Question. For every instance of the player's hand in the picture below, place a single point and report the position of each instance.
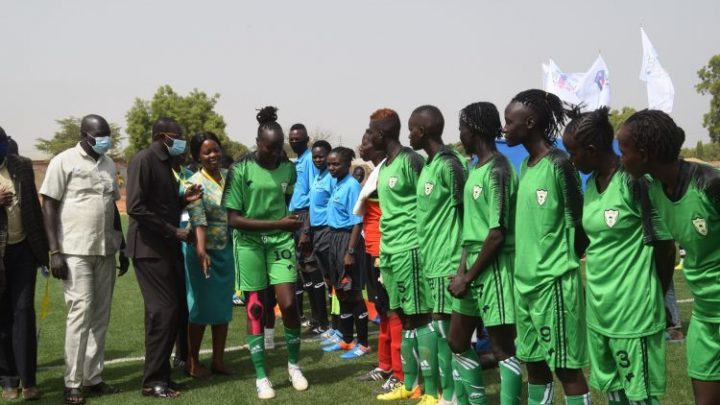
(193, 192)
(290, 223)
(348, 261)
(458, 286)
(182, 234)
(305, 244)
(124, 264)
(205, 262)
(58, 266)
(6, 198)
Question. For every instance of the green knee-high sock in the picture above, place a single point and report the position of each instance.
(583, 399)
(541, 394)
(510, 381)
(292, 339)
(334, 305)
(428, 353)
(461, 397)
(408, 353)
(617, 398)
(444, 359)
(468, 366)
(256, 344)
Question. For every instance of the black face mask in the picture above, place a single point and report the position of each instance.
(298, 147)
(3, 150)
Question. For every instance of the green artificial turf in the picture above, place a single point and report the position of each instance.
(332, 380)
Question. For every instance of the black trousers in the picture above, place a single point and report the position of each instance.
(162, 285)
(181, 342)
(18, 333)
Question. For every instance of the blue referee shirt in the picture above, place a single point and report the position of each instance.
(320, 191)
(342, 201)
(306, 172)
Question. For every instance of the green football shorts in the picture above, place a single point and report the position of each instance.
(491, 296)
(407, 288)
(550, 324)
(635, 365)
(442, 299)
(264, 260)
(703, 350)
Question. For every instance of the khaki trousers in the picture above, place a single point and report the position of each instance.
(88, 296)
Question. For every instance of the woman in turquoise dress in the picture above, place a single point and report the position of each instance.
(209, 264)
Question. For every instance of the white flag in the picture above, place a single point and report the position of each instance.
(595, 89)
(591, 88)
(660, 90)
(563, 85)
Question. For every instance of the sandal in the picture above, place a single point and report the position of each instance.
(31, 394)
(100, 389)
(160, 391)
(224, 370)
(74, 396)
(10, 393)
(199, 374)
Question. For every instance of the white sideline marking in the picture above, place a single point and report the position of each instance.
(203, 351)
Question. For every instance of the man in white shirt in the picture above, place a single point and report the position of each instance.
(83, 229)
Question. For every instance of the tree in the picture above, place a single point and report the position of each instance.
(699, 150)
(69, 135)
(195, 113)
(618, 117)
(460, 148)
(710, 84)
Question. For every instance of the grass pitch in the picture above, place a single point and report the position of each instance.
(332, 380)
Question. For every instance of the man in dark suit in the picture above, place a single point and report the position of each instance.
(23, 246)
(154, 207)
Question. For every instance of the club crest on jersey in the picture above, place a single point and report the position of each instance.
(611, 217)
(392, 181)
(477, 190)
(429, 188)
(284, 186)
(700, 226)
(541, 196)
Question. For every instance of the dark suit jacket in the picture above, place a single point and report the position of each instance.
(21, 171)
(153, 204)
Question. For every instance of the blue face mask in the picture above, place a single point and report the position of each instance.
(102, 144)
(177, 147)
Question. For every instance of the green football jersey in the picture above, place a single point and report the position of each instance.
(693, 220)
(490, 193)
(549, 209)
(624, 296)
(397, 182)
(258, 193)
(439, 212)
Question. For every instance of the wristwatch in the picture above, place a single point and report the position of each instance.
(351, 250)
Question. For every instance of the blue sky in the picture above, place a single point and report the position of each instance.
(329, 64)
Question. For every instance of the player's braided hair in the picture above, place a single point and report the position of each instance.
(657, 133)
(346, 154)
(548, 109)
(591, 128)
(483, 119)
(267, 118)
